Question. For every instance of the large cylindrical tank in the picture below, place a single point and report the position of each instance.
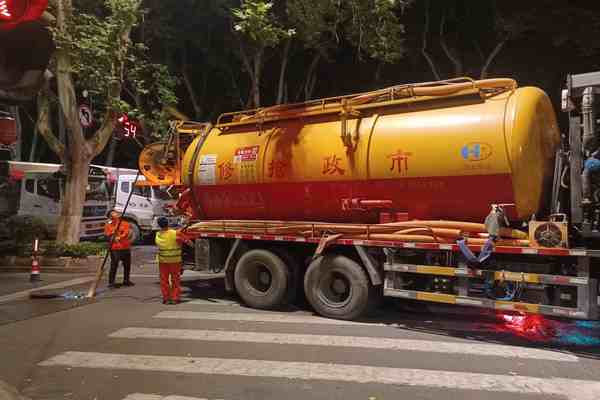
(449, 158)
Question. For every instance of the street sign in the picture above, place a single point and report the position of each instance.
(85, 116)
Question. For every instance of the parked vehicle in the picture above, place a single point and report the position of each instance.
(147, 203)
(36, 189)
(386, 194)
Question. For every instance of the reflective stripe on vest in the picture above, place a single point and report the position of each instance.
(169, 250)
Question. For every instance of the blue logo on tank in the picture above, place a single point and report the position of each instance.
(476, 151)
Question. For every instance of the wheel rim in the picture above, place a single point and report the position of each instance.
(260, 278)
(334, 290)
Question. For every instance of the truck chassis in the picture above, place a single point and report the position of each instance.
(561, 280)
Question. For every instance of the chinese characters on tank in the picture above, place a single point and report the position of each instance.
(399, 161)
(332, 166)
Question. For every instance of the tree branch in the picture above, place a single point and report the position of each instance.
(282, 71)
(424, 44)
(491, 57)
(43, 123)
(454, 59)
(100, 139)
(188, 83)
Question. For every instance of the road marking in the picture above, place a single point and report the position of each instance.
(60, 285)
(143, 396)
(570, 388)
(257, 317)
(214, 302)
(346, 341)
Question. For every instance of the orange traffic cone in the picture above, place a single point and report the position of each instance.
(35, 270)
(35, 265)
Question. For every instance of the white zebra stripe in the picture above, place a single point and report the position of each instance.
(144, 396)
(213, 302)
(569, 388)
(257, 317)
(347, 341)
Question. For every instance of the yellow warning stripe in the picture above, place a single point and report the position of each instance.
(452, 299)
(437, 297)
(510, 305)
(516, 277)
(434, 270)
(451, 271)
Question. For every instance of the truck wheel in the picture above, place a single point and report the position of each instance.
(261, 279)
(135, 234)
(337, 287)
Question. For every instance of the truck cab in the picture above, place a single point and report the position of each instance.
(146, 205)
(36, 189)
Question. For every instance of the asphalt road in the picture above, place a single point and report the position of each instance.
(126, 345)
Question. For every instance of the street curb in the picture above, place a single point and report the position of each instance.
(52, 270)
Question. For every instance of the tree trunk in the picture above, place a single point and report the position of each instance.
(454, 58)
(73, 197)
(284, 62)
(189, 86)
(191, 92)
(256, 79)
(424, 52)
(110, 157)
(310, 79)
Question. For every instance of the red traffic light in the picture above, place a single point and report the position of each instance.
(128, 128)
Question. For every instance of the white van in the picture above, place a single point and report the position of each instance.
(35, 189)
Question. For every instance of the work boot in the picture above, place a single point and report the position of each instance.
(165, 301)
(172, 302)
(128, 283)
(112, 286)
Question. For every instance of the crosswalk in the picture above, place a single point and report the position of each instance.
(267, 328)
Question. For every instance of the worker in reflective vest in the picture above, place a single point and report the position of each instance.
(120, 247)
(169, 260)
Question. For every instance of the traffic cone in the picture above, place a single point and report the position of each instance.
(35, 265)
(35, 270)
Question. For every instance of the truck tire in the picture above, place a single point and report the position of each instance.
(262, 279)
(337, 287)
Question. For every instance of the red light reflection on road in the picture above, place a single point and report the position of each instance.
(530, 326)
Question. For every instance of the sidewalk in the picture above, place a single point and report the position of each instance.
(142, 256)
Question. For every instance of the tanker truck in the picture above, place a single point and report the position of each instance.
(460, 192)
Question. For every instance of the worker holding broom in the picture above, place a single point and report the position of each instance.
(170, 260)
(117, 231)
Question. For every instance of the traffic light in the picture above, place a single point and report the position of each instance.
(127, 128)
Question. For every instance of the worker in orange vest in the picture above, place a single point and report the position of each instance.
(120, 248)
(170, 260)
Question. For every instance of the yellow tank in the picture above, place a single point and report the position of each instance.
(441, 151)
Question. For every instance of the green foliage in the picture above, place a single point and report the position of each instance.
(316, 22)
(102, 55)
(256, 21)
(79, 250)
(376, 29)
(371, 26)
(24, 229)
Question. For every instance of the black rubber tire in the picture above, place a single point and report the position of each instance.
(321, 271)
(257, 294)
(135, 234)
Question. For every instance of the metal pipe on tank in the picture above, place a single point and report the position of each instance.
(590, 142)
